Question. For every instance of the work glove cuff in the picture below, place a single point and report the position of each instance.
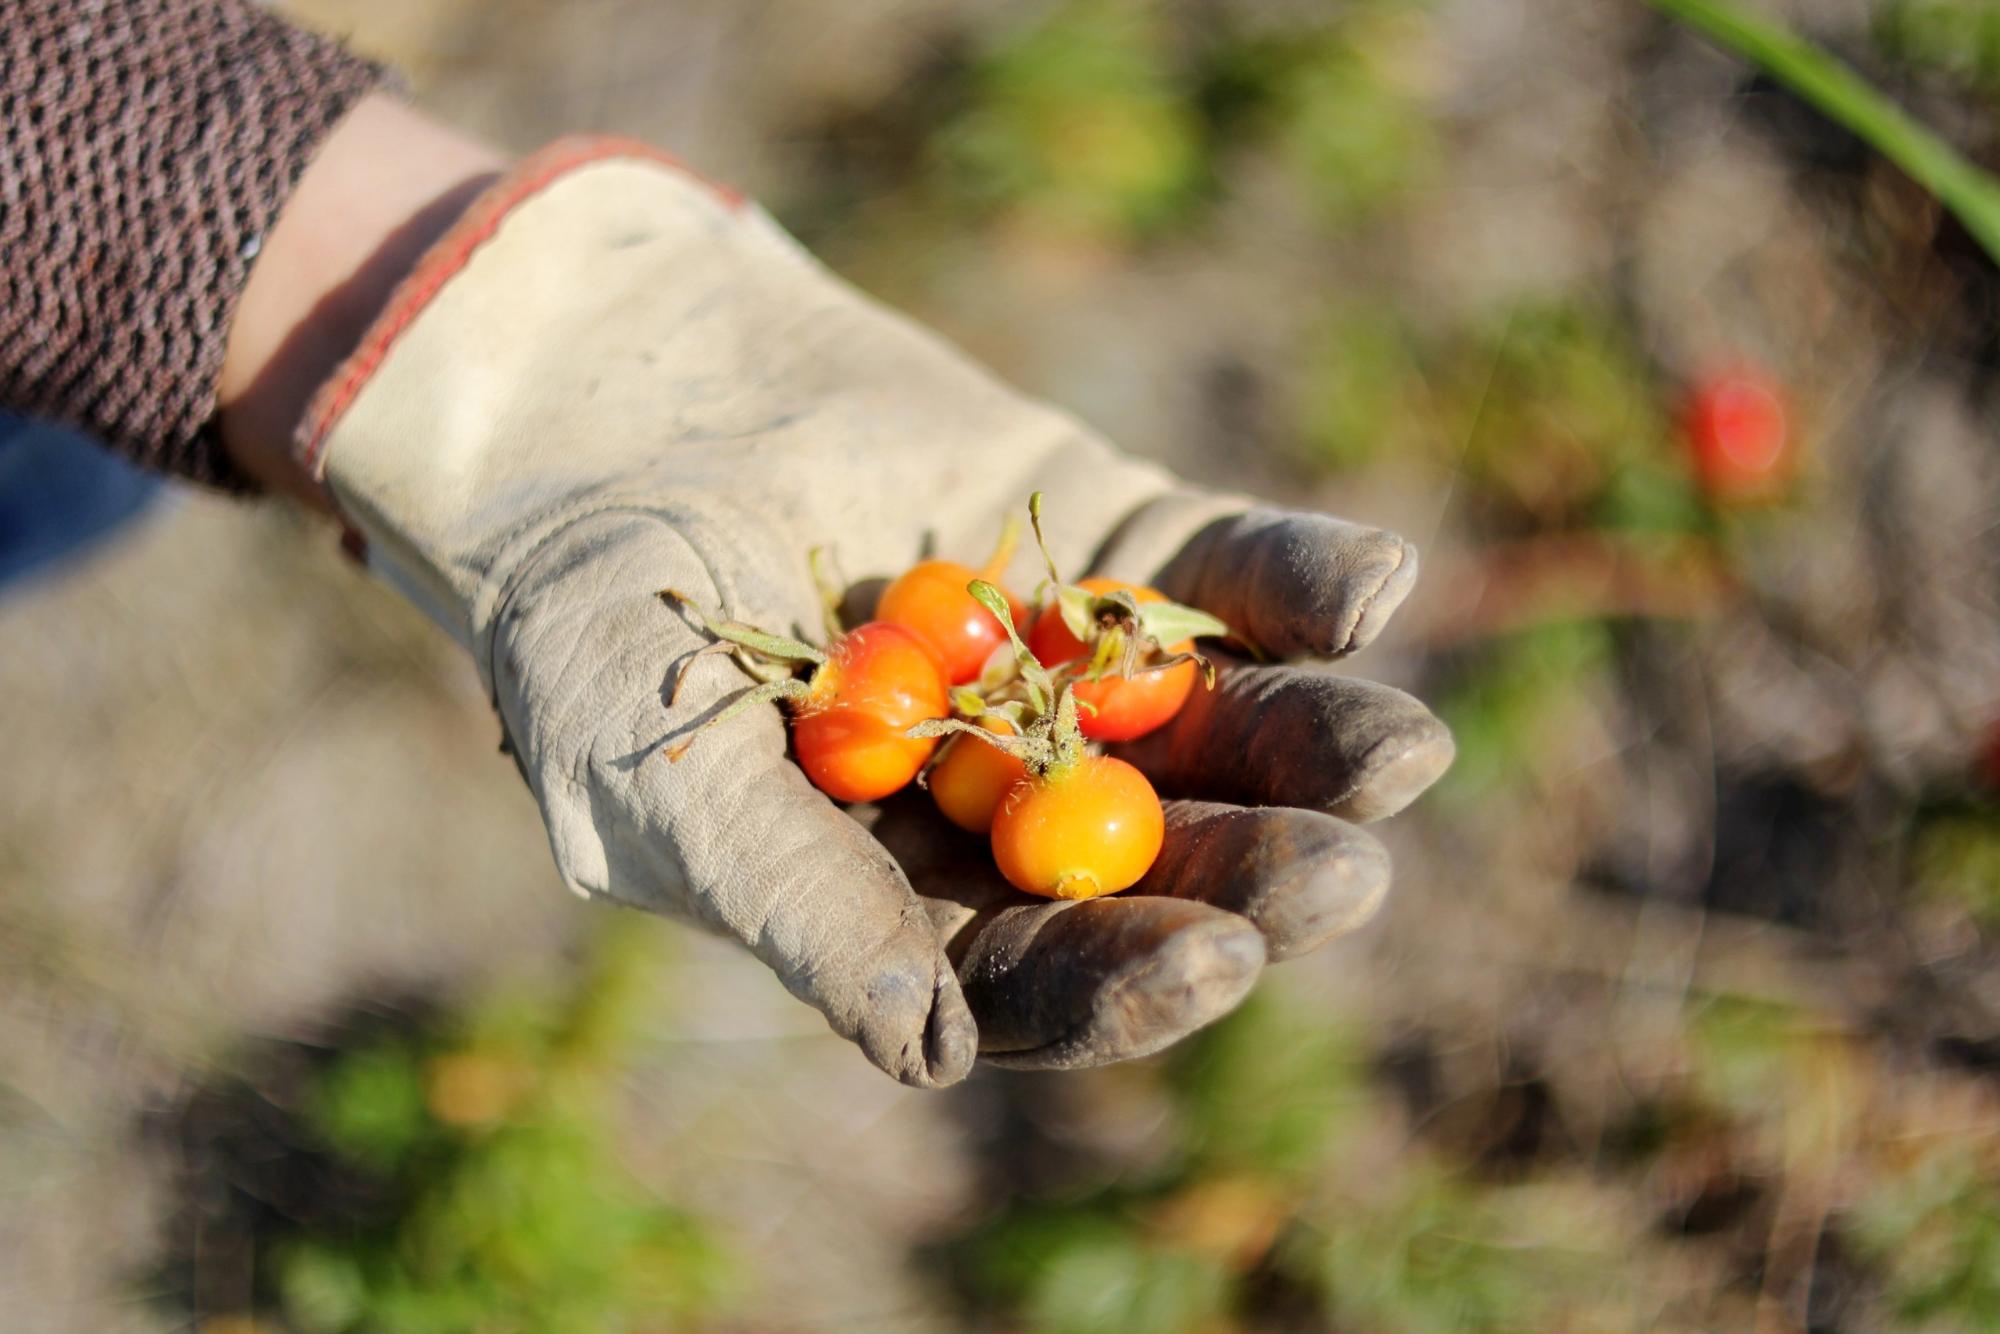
(442, 438)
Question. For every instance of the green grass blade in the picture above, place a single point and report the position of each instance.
(1844, 96)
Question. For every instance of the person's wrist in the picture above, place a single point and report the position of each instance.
(386, 184)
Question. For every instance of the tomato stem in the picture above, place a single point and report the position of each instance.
(1118, 627)
(831, 586)
(769, 692)
(1032, 672)
(1843, 96)
(1035, 518)
(687, 667)
(1050, 743)
(1029, 749)
(1112, 645)
(1176, 659)
(996, 565)
(1066, 748)
(743, 635)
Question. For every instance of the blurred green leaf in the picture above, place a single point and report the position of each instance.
(1095, 1269)
(1513, 696)
(1742, 1052)
(1439, 1255)
(1552, 402)
(1361, 397)
(370, 1106)
(494, 1130)
(1081, 121)
(1349, 122)
(1956, 858)
(1651, 495)
(1843, 96)
(322, 1287)
(1266, 1089)
(1339, 98)
(1958, 38)
(1935, 1227)
(1548, 411)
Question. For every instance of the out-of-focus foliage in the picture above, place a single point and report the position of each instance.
(1441, 1253)
(1079, 122)
(1363, 395)
(1914, 1198)
(1547, 409)
(1265, 1091)
(1959, 38)
(1934, 1225)
(492, 1137)
(1515, 699)
(1339, 102)
(1105, 119)
(1832, 89)
(1277, 1204)
(1461, 263)
(1956, 857)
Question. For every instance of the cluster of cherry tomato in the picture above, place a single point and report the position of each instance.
(992, 706)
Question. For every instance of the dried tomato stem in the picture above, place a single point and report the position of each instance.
(761, 642)
(829, 583)
(1035, 518)
(1175, 660)
(687, 667)
(996, 565)
(1030, 750)
(769, 692)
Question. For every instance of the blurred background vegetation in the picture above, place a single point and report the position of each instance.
(1685, 1012)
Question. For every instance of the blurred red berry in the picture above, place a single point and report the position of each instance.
(1737, 436)
(1989, 756)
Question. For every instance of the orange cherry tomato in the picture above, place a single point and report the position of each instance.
(1092, 830)
(1125, 706)
(1737, 436)
(973, 778)
(878, 681)
(930, 598)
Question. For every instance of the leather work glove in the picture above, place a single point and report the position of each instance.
(613, 378)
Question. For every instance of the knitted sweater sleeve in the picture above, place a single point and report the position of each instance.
(146, 147)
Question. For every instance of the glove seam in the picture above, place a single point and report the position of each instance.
(1364, 605)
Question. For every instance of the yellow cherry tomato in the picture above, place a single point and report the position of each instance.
(973, 778)
(1092, 829)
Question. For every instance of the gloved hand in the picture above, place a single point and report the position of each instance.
(612, 378)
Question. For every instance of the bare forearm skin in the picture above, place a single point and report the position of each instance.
(387, 183)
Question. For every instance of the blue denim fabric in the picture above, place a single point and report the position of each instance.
(60, 494)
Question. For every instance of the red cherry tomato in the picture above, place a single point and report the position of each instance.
(1125, 706)
(878, 681)
(1738, 439)
(930, 598)
(973, 778)
(1094, 829)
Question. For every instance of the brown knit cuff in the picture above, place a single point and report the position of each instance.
(146, 147)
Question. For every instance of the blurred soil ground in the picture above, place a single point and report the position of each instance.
(1686, 993)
